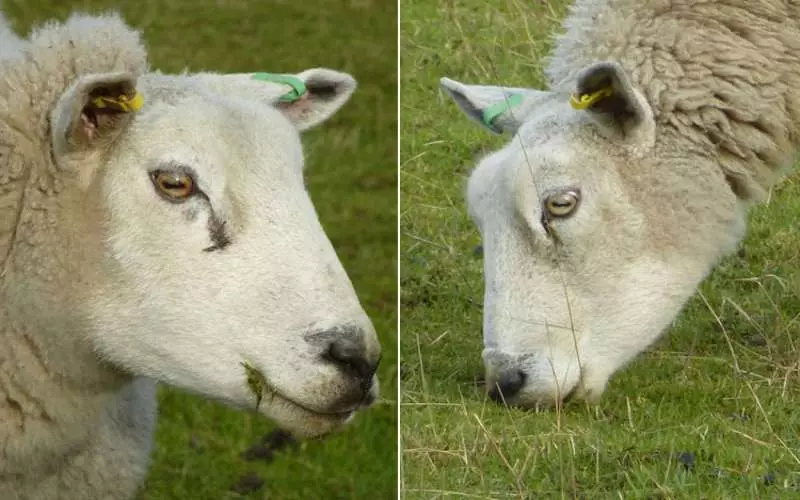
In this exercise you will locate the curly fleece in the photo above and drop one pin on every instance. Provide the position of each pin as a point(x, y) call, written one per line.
point(46, 450)
point(29, 90)
point(722, 75)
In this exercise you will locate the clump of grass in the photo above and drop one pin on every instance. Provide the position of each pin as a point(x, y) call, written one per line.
point(256, 382)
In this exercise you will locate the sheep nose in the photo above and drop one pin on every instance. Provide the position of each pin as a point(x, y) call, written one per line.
point(351, 356)
point(507, 384)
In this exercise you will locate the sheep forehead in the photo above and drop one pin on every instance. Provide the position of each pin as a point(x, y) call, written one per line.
point(227, 113)
point(215, 131)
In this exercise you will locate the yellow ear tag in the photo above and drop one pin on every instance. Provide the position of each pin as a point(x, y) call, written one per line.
point(123, 103)
point(586, 100)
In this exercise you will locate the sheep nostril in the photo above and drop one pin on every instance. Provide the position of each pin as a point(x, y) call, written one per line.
point(351, 357)
point(507, 386)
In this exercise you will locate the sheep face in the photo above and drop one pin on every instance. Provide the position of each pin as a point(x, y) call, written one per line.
point(215, 273)
point(588, 249)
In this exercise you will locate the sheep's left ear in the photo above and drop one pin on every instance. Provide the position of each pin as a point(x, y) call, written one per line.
point(307, 98)
point(606, 92)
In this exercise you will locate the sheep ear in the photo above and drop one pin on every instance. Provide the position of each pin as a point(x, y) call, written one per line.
point(93, 111)
point(499, 109)
point(326, 91)
point(607, 93)
point(307, 99)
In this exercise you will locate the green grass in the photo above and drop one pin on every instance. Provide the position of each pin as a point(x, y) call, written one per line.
point(352, 176)
point(721, 386)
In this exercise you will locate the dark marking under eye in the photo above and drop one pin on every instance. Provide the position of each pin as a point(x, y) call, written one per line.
point(219, 237)
point(548, 228)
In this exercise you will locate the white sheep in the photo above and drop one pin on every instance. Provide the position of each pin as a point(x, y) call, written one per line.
point(157, 228)
point(625, 182)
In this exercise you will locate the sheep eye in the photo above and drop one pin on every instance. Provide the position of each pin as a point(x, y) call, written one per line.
point(174, 186)
point(562, 204)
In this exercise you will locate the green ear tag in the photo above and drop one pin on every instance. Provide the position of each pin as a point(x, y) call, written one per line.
point(298, 87)
point(491, 113)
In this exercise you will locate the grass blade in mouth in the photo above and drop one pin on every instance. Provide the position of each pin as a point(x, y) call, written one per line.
point(256, 382)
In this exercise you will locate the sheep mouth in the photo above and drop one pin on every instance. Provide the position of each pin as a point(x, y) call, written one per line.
point(263, 390)
point(331, 416)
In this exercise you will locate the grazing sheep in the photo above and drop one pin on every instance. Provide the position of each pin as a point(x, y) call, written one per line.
point(157, 228)
point(625, 182)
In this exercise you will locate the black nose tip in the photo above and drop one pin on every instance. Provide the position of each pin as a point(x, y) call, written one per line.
point(351, 357)
point(508, 384)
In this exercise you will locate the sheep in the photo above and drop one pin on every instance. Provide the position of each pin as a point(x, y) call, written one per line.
point(156, 228)
point(625, 182)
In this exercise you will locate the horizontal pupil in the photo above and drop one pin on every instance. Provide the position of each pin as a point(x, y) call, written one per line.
point(173, 184)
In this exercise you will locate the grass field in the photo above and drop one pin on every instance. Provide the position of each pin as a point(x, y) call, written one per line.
point(352, 175)
point(709, 412)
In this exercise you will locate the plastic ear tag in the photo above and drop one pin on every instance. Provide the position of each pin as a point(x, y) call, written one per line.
point(586, 100)
point(298, 87)
point(491, 113)
point(122, 103)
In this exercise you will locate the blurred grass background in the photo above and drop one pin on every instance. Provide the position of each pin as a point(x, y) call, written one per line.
point(352, 177)
point(710, 412)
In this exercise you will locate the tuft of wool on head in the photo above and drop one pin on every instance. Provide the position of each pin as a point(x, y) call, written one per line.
point(32, 81)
